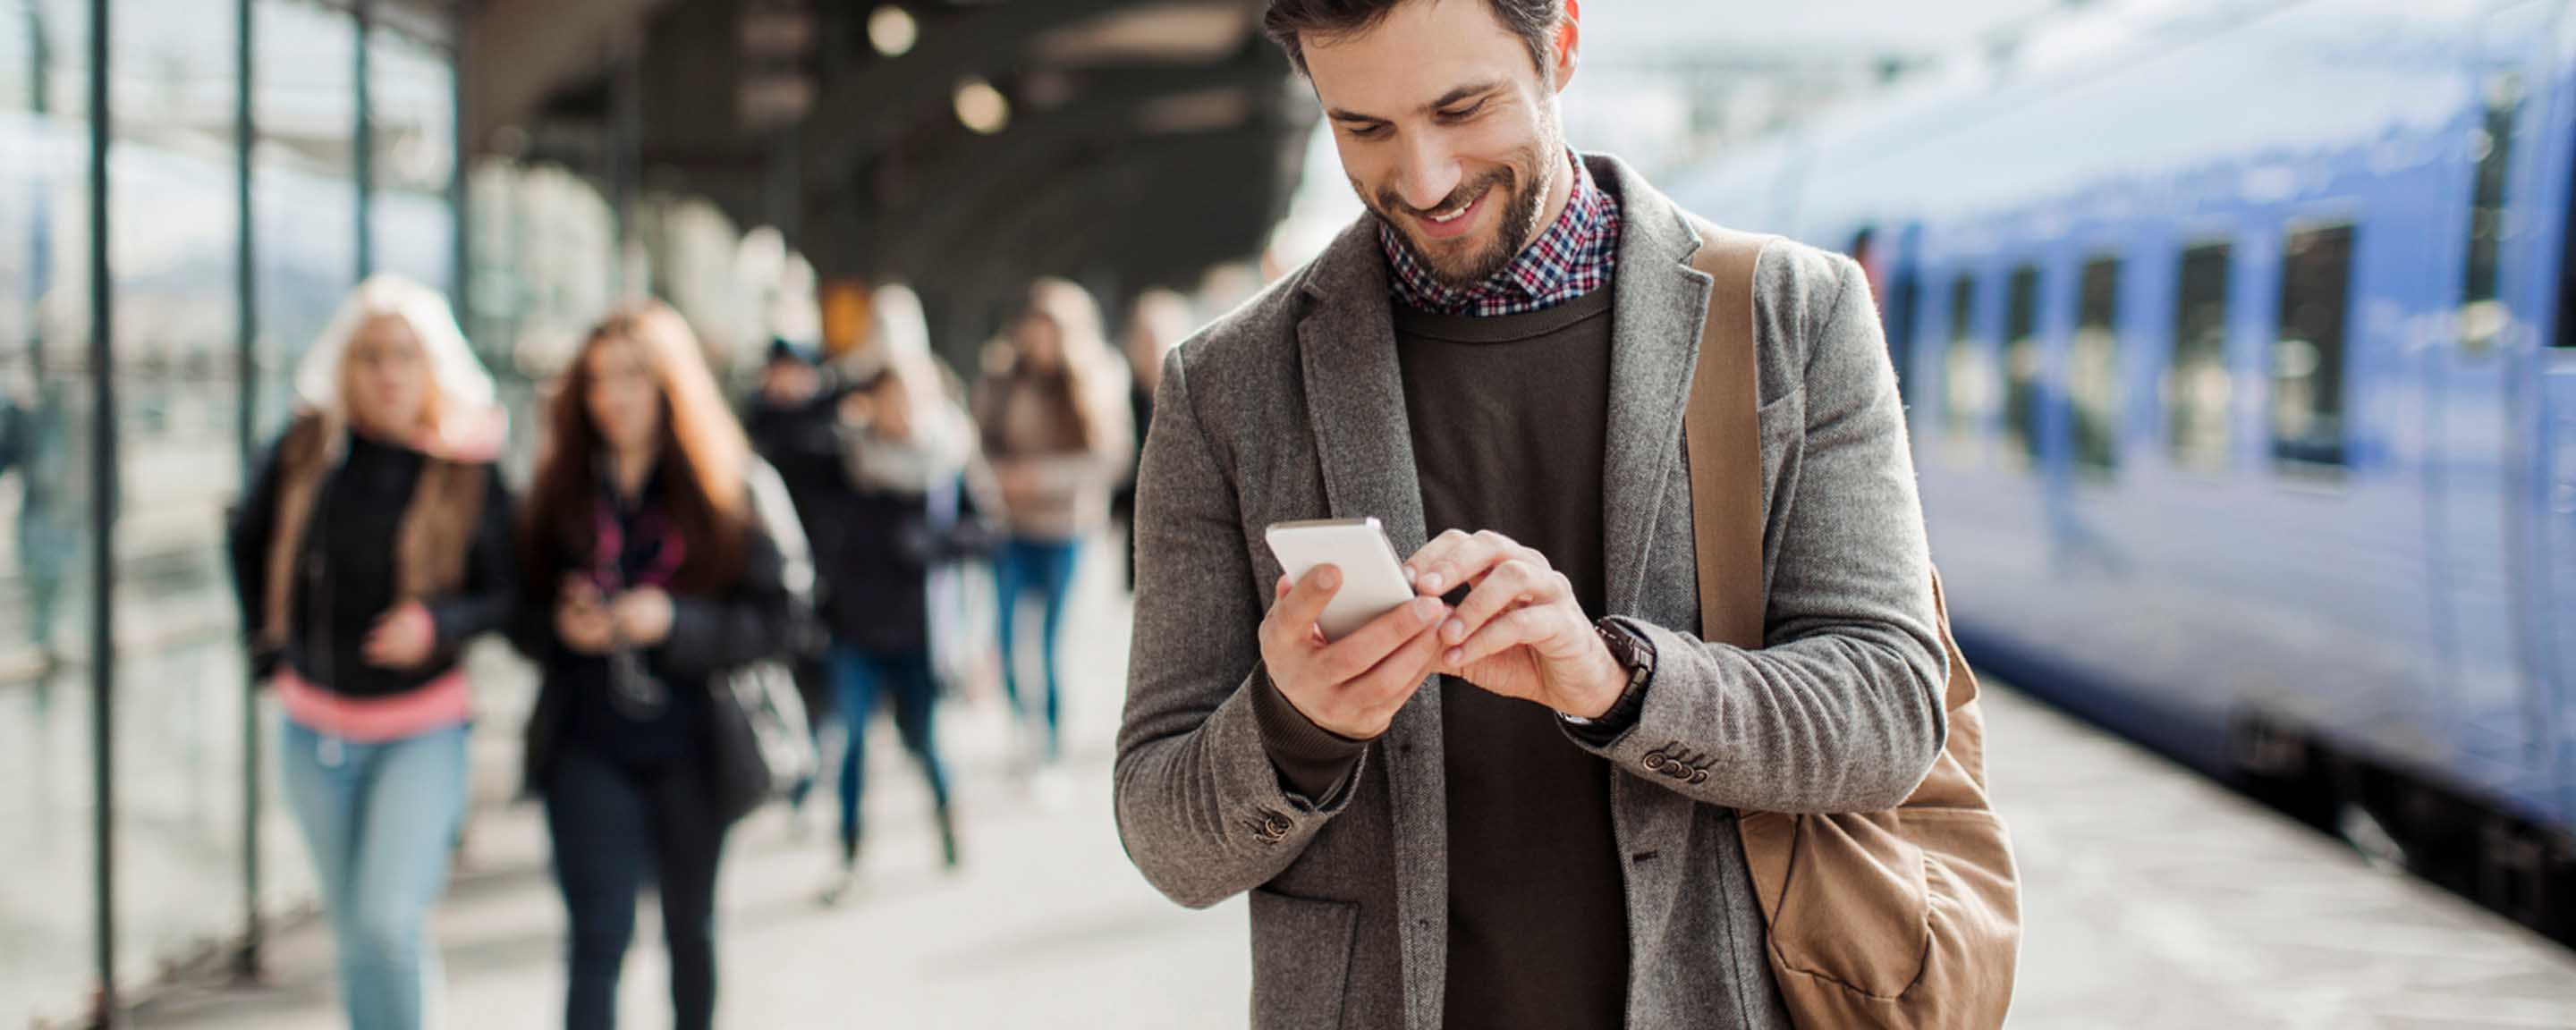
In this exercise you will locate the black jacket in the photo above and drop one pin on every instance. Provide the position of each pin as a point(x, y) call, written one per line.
point(349, 552)
point(713, 633)
point(884, 546)
point(802, 442)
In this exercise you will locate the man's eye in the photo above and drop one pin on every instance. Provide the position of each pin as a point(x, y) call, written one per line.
point(1366, 131)
point(1459, 114)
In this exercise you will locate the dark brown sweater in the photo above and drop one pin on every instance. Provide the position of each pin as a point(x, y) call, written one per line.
point(1509, 417)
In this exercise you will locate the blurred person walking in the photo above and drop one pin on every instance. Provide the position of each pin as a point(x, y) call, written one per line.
point(908, 515)
point(374, 544)
point(648, 581)
point(1158, 323)
point(791, 420)
point(1052, 413)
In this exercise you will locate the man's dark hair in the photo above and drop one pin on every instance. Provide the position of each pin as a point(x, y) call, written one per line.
point(1289, 21)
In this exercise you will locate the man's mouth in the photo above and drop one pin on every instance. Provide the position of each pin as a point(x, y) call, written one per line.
point(1449, 223)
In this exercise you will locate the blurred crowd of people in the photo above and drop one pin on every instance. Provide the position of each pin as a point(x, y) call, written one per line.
point(716, 604)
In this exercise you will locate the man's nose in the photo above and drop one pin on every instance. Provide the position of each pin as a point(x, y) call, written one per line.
point(1427, 173)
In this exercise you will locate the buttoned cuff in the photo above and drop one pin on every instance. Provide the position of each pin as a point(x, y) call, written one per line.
point(1314, 763)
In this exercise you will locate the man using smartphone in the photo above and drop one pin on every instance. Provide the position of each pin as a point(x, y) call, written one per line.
point(1509, 802)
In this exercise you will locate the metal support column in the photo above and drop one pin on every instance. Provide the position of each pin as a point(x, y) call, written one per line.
point(362, 141)
point(103, 501)
point(459, 193)
point(40, 102)
point(246, 962)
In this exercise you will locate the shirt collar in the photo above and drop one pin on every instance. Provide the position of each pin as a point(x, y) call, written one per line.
point(1577, 254)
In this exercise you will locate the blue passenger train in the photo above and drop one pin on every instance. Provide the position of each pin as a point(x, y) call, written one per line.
point(2237, 345)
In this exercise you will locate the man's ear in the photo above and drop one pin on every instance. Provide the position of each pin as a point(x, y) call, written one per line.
point(1569, 44)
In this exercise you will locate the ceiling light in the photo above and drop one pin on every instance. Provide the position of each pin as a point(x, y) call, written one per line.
point(892, 31)
point(982, 108)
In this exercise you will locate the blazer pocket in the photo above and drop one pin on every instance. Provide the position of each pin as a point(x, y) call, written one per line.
point(1301, 960)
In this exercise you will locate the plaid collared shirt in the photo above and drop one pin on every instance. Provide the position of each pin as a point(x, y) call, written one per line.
point(1575, 256)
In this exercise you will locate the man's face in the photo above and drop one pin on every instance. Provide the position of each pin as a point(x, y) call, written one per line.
point(1447, 130)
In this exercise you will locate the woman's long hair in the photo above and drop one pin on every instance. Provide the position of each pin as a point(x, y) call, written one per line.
point(460, 416)
point(1091, 374)
point(701, 470)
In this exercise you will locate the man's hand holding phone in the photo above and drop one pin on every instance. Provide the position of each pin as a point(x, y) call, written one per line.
point(1353, 686)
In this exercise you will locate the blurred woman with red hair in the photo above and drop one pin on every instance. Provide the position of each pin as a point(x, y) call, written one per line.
point(648, 581)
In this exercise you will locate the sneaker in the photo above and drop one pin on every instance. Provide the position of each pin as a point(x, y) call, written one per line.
point(843, 885)
point(948, 858)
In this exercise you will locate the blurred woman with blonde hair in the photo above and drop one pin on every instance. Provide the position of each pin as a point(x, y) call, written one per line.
point(375, 542)
point(649, 580)
point(1055, 431)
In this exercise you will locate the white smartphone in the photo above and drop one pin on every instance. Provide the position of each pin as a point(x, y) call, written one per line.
point(1372, 577)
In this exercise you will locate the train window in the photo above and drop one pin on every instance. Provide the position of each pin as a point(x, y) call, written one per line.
point(2022, 366)
point(1966, 374)
point(2093, 369)
point(2197, 386)
point(2481, 317)
point(2308, 354)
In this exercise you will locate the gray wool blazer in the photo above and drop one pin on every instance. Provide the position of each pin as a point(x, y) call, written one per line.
point(1292, 408)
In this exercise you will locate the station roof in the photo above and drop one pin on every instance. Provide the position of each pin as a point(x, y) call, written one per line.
point(1126, 143)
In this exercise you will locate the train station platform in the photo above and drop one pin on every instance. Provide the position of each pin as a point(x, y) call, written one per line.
point(2155, 899)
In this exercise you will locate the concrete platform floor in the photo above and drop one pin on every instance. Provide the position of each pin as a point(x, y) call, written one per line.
point(2155, 899)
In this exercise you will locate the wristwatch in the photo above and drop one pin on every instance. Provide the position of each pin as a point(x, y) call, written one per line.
point(1634, 653)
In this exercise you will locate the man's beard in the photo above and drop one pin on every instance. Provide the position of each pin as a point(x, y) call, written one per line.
point(1520, 206)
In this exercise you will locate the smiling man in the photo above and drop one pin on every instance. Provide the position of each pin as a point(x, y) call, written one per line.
point(1510, 803)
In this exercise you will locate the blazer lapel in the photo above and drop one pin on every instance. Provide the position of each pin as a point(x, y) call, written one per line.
point(1364, 444)
point(1355, 390)
point(1654, 348)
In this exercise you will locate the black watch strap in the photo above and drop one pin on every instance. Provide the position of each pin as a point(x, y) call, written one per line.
point(1634, 653)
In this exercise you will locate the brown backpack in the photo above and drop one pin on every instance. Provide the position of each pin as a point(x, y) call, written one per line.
point(1904, 918)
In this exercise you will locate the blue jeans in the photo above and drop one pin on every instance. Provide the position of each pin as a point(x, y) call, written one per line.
point(1047, 567)
point(381, 821)
point(905, 678)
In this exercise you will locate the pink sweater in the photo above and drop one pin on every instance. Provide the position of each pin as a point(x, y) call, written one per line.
point(437, 705)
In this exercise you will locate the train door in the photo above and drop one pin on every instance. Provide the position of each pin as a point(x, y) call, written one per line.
point(2480, 386)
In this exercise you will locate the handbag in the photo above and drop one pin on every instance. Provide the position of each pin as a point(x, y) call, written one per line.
point(1906, 918)
point(761, 744)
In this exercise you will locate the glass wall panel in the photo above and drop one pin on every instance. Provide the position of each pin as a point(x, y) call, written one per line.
point(46, 862)
point(412, 102)
point(304, 98)
point(174, 237)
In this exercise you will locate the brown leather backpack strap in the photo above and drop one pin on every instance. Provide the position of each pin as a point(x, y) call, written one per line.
point(1724, 444)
